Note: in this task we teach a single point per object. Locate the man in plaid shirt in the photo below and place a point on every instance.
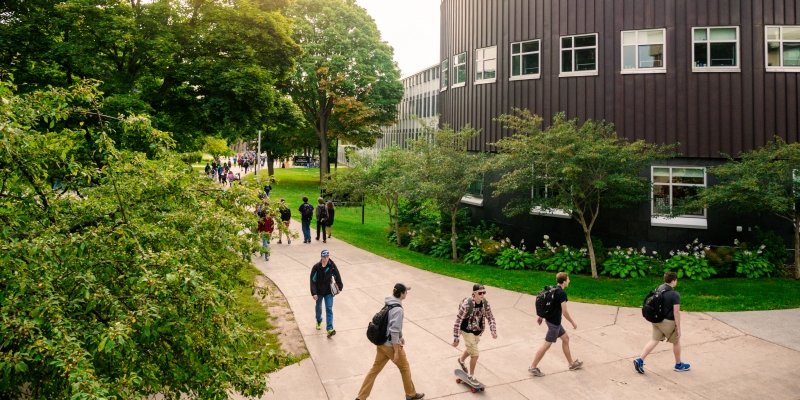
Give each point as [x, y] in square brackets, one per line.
[470, 323]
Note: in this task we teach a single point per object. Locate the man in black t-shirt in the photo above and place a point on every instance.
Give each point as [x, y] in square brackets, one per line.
[554, 328]
[670, 328]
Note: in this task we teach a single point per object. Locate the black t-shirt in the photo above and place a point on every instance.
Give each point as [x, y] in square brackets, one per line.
[465, 321]
[559, 296]
[671, 297]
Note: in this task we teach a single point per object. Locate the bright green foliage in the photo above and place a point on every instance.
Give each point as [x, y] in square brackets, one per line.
[765, 181]
[691, 263]
[346, 83]
[217, 147]
[753, 263]
[117, 269]
[566, 259]
[514, 258]
[629, 263]
[583, 167]
[475, 256]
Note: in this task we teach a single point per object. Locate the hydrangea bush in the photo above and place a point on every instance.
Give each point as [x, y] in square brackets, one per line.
[690, 263]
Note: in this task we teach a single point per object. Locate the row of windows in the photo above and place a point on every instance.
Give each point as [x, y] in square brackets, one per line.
[714, 49]
[422, 77]
[422, 105]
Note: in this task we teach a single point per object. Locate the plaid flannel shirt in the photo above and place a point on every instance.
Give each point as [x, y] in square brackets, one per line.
[474, 320]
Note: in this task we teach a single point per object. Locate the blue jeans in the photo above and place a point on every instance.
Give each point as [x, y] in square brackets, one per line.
[328, 310]
[265, 245]
[306, 230]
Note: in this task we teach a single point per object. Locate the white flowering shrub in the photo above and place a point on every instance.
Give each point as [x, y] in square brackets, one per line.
[691, 262]
[561, 258]
[752, 263]
[630, 262]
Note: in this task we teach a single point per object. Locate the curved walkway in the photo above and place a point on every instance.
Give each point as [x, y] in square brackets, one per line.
[733, 355]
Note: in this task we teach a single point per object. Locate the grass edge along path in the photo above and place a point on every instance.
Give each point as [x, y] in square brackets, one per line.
[720, 294]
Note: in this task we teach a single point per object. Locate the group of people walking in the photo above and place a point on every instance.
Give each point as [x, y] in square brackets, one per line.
[324, 212]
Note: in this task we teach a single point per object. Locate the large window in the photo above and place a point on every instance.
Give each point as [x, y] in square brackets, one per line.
[474, 195]
[716, 49]
[672, 186]
[579, 55]
[644, 51]
[486, 65]
[541, 193]
[525, 60]
[783, 48]
[445, 75]
[459, 69]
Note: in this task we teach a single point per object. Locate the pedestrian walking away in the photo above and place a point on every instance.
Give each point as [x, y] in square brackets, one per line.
[266, 225]
[392, 349]
[322, 219]
[669, 328]
[306, 213]
[556, 309]
[324, 275]
[286, 218]
[472, 312]
[331, 213]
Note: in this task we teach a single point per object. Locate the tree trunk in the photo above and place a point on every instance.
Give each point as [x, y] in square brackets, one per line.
[592, 260]
[270, 167]
[797, 246]
[453, 234]
[322, 135]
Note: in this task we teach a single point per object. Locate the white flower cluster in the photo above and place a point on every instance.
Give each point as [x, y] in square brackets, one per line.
[630, 252]
[694, 249]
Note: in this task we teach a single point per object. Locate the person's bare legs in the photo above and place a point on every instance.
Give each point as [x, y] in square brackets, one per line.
[649, 347]
[540, 354]
[565, 347]
[676, 350]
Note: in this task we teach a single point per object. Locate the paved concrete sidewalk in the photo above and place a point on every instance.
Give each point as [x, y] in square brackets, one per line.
[733, 355]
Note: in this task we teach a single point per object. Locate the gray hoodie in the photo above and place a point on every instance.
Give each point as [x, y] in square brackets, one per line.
[394, 329]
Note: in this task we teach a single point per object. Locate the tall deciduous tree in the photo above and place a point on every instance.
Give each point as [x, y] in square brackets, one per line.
[762, 181]
[583, 167]
[346, 83]
[445, 170]
[117, 268]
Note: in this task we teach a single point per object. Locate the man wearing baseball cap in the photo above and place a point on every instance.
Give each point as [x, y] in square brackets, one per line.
[470, 324]
[323, 275]
[393, 348]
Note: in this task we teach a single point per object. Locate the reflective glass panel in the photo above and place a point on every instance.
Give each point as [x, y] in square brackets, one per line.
[585, 60]
[723, 33]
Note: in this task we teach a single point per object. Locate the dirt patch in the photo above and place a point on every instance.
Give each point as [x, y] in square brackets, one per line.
[281, 317]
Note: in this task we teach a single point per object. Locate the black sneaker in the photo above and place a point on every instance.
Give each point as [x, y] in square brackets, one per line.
[416, 396]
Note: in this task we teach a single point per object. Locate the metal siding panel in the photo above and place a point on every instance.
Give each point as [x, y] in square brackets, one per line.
[755, 138]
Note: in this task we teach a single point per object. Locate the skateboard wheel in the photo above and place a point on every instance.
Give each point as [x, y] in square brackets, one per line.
[473, 390]
[458, 380]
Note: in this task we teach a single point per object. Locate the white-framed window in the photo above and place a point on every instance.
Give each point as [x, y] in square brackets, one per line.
[783, 48]
[459, 69]
[671, 185]
[715, 49]
[486, 65]
[644, 51]
[525, 60]
[579, 55]
[445, 75]
[543, 192]
[474, 195]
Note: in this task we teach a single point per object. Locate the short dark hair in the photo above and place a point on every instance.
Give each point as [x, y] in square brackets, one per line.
[670, 276]
[561, 277]
[399, 289]
[305, 199]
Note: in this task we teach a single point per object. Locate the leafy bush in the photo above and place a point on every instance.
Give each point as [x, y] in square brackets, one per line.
[403, 231]
[721, 258]
[691, 263]
[624, 263]
[193, 157]
[422, 241]
[442, 248]
[484, 251]
[567, 259]
[774, 248]
[753, 264]
[514, 258]
[475, 256]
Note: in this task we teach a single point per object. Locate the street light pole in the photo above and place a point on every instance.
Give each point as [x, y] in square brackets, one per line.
[258, 154]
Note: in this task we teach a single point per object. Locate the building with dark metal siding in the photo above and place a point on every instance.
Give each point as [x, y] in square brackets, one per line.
[715, 76]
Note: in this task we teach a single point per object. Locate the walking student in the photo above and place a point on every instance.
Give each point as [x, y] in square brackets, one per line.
[331, 213]
[670, 328]
[392, 349]
[472, 313]
[286, 217]
[554, 328]
[322, 219]
[323, 275]
[266, 225]
[306, 213]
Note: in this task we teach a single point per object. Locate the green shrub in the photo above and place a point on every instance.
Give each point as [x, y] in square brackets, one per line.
[567, 259]
[422, 241]
[721, 258]
[403, 231]
[691, 263]
[475, 256]
[624, 263]
[442, 248]
[774, 248]
[514, 258]
[753, 264]
[193, 157]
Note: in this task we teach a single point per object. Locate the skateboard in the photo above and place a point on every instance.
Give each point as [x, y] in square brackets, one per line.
[474, 387]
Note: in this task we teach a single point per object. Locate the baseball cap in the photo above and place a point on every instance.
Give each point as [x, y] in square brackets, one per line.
[324, 253]
[476, 287]
[401, 287]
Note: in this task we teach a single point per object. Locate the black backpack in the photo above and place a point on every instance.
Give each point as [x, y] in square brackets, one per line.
[286, 214]
[376, 330]
[653, 305]
[307, 211]
[544, 301]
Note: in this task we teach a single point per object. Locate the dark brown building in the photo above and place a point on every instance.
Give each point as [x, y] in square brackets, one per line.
[715, 76]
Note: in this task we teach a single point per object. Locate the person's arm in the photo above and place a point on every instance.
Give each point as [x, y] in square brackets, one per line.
[462, 311]
[492, 323]
[337, 275]
[567, 316]
[676, 309]
[313, 281]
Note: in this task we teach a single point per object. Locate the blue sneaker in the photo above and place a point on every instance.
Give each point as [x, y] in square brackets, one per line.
[681, 367]
[638, 364]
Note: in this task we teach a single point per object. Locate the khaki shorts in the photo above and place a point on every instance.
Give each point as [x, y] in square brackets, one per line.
[471, 341]
[665, 330]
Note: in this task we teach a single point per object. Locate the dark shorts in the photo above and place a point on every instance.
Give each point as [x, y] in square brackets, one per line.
[553, 332]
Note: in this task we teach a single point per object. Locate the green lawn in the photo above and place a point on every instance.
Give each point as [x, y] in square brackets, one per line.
[726, 294]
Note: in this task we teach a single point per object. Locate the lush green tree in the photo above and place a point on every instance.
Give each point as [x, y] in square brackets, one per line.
[200, 68]
[217, 147]
[574, 168]
[762, 181]
[445, 170]
[117, 268]
[346, 83]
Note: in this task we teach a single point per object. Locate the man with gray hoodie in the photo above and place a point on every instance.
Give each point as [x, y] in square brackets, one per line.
[393, 348]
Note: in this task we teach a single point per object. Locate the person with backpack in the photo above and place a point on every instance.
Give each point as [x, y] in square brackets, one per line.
[322, 219]
[306, 213]
[324, 275]
[470, 323]
[555, 308]
[266, 226]
[286, 218]
[390, 345]
[663, 309]
[331, 213]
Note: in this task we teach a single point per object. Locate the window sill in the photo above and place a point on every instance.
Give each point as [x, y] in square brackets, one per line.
[783, 69]
[679, 222]
[485, 81]
[578, 73]
[443, 89]
[716, 69]
[457, 85]
[472, 200]
[556, 213]
[524, 77]
[643, 71]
